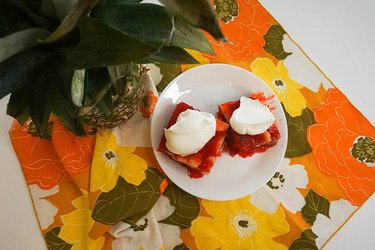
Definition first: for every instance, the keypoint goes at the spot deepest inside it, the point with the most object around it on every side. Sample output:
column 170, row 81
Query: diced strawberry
column 247, row 145
column 200, row 163
column 226, row 109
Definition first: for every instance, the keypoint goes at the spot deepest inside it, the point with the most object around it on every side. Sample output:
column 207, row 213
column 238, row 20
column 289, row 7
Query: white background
column 338, row 35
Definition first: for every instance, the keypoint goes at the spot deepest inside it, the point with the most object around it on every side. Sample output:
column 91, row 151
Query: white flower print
column 148, row 233
column 45, row 210
column 282, row 188
column 301, row 69
column 324, row 227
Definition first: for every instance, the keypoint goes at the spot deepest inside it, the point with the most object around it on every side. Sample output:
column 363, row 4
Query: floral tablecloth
column 108, row 192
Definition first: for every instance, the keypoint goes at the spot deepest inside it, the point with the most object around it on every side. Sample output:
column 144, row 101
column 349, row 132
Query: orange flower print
column 244, row 23
column 75, row 152
column 343, row 144
column 39, row 161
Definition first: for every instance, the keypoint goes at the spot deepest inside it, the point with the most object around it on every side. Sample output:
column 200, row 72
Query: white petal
column 46, row 212
column 163, row 208
column 148, row 238
column 263, row 200
column 140, row 130
column 170, row 235
column 155, row 74
column 151, row 237
column 119, row 230
column 292, row 200
column 126, row 243
column 296, row 176
column 301, row 69
column 340, row 210
column 324, row 227
column 37, row 192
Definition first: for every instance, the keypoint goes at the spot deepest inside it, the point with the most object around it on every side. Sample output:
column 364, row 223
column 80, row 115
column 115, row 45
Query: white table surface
column 338, row 35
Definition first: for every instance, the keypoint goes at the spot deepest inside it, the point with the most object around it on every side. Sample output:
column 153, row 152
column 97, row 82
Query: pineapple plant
column 84, row 60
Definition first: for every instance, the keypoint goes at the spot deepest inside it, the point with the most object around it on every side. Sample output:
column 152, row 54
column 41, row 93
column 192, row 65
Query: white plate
column 205, row 87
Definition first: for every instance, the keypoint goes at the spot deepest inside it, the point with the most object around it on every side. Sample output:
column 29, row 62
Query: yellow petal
column 226, row 209
column 262, row 241
column 81, row 202
column 109, row 138
column 265, row 69
column 132, row 168
column 272, row 225
column 294, row 102
column 210, row 233
column 283, row 71
column 90, row 244
column 103, row 176
column 75, row 225
column 124, row 150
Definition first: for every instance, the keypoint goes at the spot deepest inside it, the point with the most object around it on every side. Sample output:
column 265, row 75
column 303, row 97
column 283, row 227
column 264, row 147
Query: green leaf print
column 181, row 247
column 315, row 204
column 169, row 72
column 186, row 207
column 54, row 242
column 297, row 133
column 127, row 201
column 273, row 42
column 306, row 241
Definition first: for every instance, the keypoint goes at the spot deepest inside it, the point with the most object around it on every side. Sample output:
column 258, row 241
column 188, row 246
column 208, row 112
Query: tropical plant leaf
column 306, row 241
column 54, row 242
column 297, row 133
column 80, row 9
column 17, row 71
column 172, row 55
column 186, row 207
column 59, row 95
column 273, row 42
column 93, row 50
column 153, row 25
column 48, row 9
column 199, row 13
column 96, row 79
column 126, row 200
column 169, row 72
column 181, row 247
column 27, row 8
column 187, row 36
column 39, row 106
column 21, row 40
column 315, row 204
column 116, row 2
column 63, row 7
column 18, row 105
column 12, row 20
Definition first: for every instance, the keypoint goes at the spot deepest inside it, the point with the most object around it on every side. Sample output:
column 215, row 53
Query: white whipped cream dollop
column 192, row 130
column 251, row 118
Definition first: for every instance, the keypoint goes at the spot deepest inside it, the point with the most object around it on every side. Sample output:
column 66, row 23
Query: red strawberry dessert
column 246, row 145
column 200, row 162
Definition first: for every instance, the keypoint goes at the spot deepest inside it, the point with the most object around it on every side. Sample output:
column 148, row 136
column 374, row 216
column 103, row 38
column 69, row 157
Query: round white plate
column 205, row 87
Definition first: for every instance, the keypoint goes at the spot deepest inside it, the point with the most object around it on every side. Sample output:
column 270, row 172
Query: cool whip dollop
column 251, row 118
column 192, row 130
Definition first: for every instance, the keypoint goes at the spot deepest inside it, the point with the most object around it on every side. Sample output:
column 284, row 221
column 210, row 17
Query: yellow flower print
column 237, row 224
column 286, row 89
column 111, row 161
column 76, row 227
